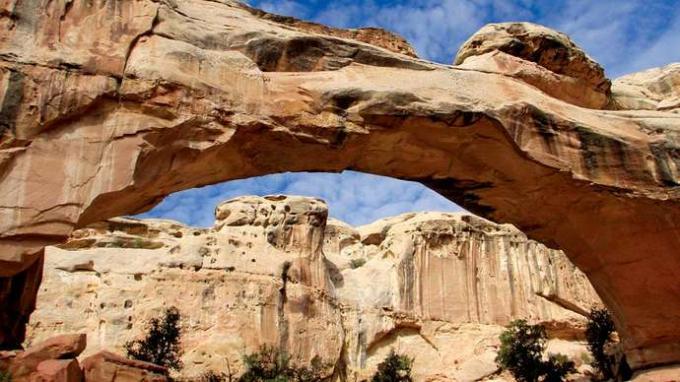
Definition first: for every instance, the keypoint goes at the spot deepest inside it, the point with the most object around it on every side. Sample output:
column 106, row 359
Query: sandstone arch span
column 108, row 106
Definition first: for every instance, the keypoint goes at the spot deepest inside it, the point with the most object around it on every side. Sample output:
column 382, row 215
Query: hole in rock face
column 352, row 197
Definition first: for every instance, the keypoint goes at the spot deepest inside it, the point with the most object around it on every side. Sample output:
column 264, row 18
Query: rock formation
column 435, row 286
column 54, row 360
column 108, row 106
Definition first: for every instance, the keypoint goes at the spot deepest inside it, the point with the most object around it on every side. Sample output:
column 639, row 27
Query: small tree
column 161, row 345
column 521, row 352
column 599, row 333
column 270, row 364
column 5, row 376
column 267, row 365
column 395, row 368
column 557, row 367
column 314, row 373
column 212, row 376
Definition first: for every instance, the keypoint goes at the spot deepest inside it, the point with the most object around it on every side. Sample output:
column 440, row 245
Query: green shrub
column 314, row 373
column 270, row 364
column 557, row 367
column 586, row 358
column 161, row 345
column 267, row 365
column 212, row 376
column 599, row 334
column 5, row 376
column 395, row 368
column 356, row 263
column 521, row 352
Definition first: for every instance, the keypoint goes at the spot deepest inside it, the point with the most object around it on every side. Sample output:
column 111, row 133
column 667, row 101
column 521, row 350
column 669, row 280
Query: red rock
column 63, row 347
column 108, row 367
column 58, row 370
column 59, row 347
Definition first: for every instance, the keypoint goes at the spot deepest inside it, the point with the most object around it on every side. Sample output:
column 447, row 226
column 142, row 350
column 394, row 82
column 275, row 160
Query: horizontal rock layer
column 107, row 106
column 435, row 286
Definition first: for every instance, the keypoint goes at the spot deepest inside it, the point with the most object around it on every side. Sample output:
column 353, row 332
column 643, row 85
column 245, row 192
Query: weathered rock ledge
column 272, row 270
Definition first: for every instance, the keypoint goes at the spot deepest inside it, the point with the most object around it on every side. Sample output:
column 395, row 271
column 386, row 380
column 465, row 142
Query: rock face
column 107, row 106
column 567, row 66
column 271, row 270
column 653, row 89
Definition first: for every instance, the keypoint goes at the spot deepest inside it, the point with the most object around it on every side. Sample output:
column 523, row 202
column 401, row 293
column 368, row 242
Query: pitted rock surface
column 272, row 270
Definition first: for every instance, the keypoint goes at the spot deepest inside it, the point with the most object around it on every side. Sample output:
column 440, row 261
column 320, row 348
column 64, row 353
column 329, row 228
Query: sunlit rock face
column 272, row 270
column 562, row 69
column 108, row 106
column 653, row 89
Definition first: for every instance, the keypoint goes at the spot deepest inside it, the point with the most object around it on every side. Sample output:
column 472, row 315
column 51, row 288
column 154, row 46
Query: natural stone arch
column 185, row 94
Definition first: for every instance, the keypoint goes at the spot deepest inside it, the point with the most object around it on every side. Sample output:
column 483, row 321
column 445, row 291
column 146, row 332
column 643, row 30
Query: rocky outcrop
column 52, row 360
column 107, row 107
column 271, row 270
column 653, row 89
column 565, row 65
column 665, row 374
column 108, row 367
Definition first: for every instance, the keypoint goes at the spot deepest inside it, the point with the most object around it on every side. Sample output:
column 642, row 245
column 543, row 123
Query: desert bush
column 557, row 367
column 395, row 368
column 161, row 345
column 357, row 263
column 212, row 376
column 521, row 353
column 600, row 336
column 270, row 364
column 5, row 376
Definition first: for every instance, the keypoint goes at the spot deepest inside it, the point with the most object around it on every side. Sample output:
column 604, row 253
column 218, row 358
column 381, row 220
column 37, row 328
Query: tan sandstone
column 435, row 286
column 108, row 367
column 107, row 106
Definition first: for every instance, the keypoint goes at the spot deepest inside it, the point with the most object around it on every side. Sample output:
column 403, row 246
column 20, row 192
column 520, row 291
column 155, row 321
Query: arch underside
column 205, row 92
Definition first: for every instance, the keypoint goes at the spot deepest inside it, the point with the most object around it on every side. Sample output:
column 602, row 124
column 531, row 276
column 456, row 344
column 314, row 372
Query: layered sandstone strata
column 271, row 270
column 108, row 106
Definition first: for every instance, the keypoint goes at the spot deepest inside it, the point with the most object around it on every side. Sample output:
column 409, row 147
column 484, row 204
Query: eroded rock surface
column 653, row 89
column 435, row 286
column 108, row 106
column 549, row 49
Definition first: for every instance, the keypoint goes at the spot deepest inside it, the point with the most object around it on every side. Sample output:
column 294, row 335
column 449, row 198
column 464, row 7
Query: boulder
column 58, row 370
column 661, row 374
column 109, row 367
column 549, row 49
column 62, row 347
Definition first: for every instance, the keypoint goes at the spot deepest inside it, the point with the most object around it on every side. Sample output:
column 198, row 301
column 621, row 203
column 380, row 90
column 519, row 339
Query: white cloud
column 623, row 35
column 353, row 197
column 665, row 50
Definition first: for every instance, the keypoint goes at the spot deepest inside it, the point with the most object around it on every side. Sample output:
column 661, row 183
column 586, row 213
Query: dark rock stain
column 661, row 155
column 461, row 192
column 9, row 110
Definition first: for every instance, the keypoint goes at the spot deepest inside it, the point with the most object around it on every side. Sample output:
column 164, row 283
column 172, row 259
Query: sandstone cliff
column 107, row 106
column 272, row 270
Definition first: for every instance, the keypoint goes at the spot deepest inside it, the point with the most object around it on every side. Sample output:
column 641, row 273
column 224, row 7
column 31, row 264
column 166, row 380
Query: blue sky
column 623, row 35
